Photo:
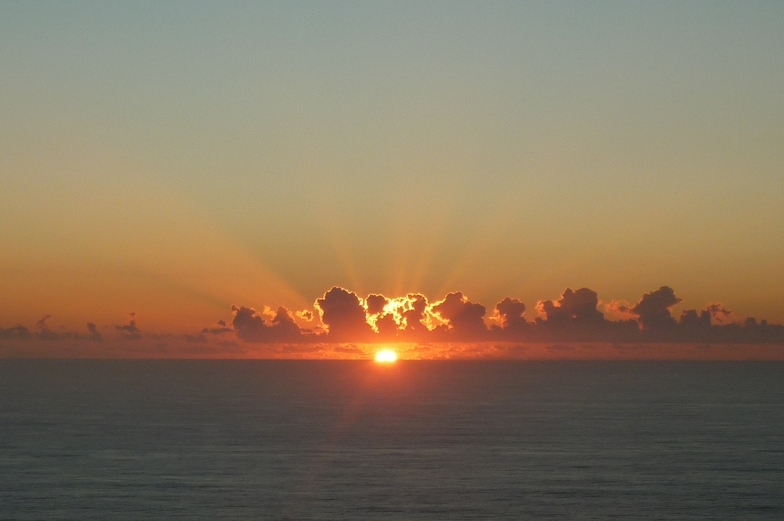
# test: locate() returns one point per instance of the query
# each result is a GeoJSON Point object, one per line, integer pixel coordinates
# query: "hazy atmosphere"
{"type": "Point", "coordinates": [165, 166]}
{"type": "Point", "coordinates": [392, 260]}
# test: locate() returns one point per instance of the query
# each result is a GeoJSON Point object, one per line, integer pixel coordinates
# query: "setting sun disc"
{"type": "Point", "coordinates": [386, 356]}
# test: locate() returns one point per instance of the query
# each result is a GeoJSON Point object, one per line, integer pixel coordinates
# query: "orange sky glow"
{"type": "Point", "coordinates": [461, 179]}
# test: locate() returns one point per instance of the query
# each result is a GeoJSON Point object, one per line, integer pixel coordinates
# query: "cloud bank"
{"type": "Point", "coordinates": [574, 317]}
{"type": "Point", "coordinates": [344, 319]}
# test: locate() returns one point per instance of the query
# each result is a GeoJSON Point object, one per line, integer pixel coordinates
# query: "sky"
{"type": "Point", "coordinates": [174, 160]}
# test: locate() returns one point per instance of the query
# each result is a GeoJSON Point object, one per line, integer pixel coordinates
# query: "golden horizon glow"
{"type": "Point", "coordinates": [386, 356]}
{"type": "Point", "coordinates": [530, 176]}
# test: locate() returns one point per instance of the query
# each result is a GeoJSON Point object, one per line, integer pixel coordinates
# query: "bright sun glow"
{"type": "Point", "coordinates": [386, 356]}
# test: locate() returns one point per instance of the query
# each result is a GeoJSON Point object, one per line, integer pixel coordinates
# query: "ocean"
{"type": "Point", "coordinates": [349, 440]}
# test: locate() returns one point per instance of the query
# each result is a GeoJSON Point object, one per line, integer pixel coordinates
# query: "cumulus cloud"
{"type": "Point", "coordinates": [572, 319]}
{"type": "Point", "coordinates": [45, 333]}
{"type": "Point", "coordinates": [375, 304]}
{"type": "Point", "coordinates": [575, 316]}
{"type": "Point", "coordinates": [414, 314]}
{"type": "Point", "coordinates": [719, 315]}
{"type": "Point", "coordinates": [93, 335]}
{"type": "Point", "coordinates": [16, 332]}
{"type": "Point", "coordinates": [129, 330]}
{"type": "Point", "coordinates": [387, 327]}
{"type": "Point", "coordinates": [464, 318]}
{"type": "Point", "coordinates": [653, 309]}
{"type": "Point", "coordinates": [250, 327]}
{"type": "Point", "coordinates": [691, 319]}
{"type": "Point", "coordinates": [343, 314]}
{"type": "Point", "coordinates": [579, 306]}
{"type": "Point", "coordinates": [510, 313]}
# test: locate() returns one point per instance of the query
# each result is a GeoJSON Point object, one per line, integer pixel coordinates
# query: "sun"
{"type": "Point", "coordinates": [386, 356]}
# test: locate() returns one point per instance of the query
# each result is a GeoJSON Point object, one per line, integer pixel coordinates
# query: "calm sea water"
{"type": "Point", "coordinates": [417, 440]}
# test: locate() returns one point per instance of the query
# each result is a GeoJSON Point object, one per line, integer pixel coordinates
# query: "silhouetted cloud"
{"type": "Point", "coordinates": [94, 335]}
{"type": "Point", "coordinates": [283, 324]}
{"type": "Point", "coordinates": [719, 315]}
{"type": "Point", "coordinates": [414, 314]}
{"type": "Point", "coordinates": [573, 317]}
{"type": "Point", "coordinates": [579, 306]}
{"type": "Point", "coordinates": [464, 318]}
{"type": "Point", "coordinates": [375, 304]}
{"type": "Point", "coordinates": [451, 327]}
{"type": "Point", "coordinates": [45, 333]}
{"type": "Point", "coordinates": [690, 318]}
{"type": "Point", "coordinates": [250, 327]}
{"type": "Point", "coordinates": [387, 326]}
{"type": "Point", "coordinates": [653, 309]}
{"type": "Point", "coordinates": [343, 314]}
{"type": "Point", "coordinates": [130, 331]}
{"type": "Point", "coordinates": [510, 312]}
{"type": "Point", "coordinates": [16, 332]}
{"type": "Point", "coordinates": [220, 328]}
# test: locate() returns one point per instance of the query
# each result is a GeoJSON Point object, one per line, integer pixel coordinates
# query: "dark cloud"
{"type": "Point", "coordinates": [94, 335]}
{"type": "Point", "coordinates": [464, 318]}
{"type": "Point", "coordinates": [45, 333]}
{"type": "Point", "coordinates": [375, 304]}
{"type": "Point", "coordinates": [16, 332]}
{"type": "Point", "coordinates": [220, 328]}
{"type": "Point", "coordinates": [573, 318]}
{"type": "Point", "coordinates": [284, 326]}
{"type": "Point", "coordinates": [343, 314]}
{"type": "Point", "coordinates": [250, 327]}
{"type": "Point", "coordinates": [719, 314]}
{"type": "Point", "coordinates": [414, 317]}
{"type": "Point", "coordinates": [510, 312]}
{"type": "Point", "coordinates": [691, 319]}
{"type": "Point", "coordinates": [578, 306]}
{"type": "Point", "coordinates": [653, 309]}
{"type": "Point", "coordinates": [387, 327]}
{"type": "Point", "coordinates": [130, 331]}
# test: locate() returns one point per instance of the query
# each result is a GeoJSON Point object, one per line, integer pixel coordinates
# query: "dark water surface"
{"type": "Point", "coordinates": [417, 440]}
